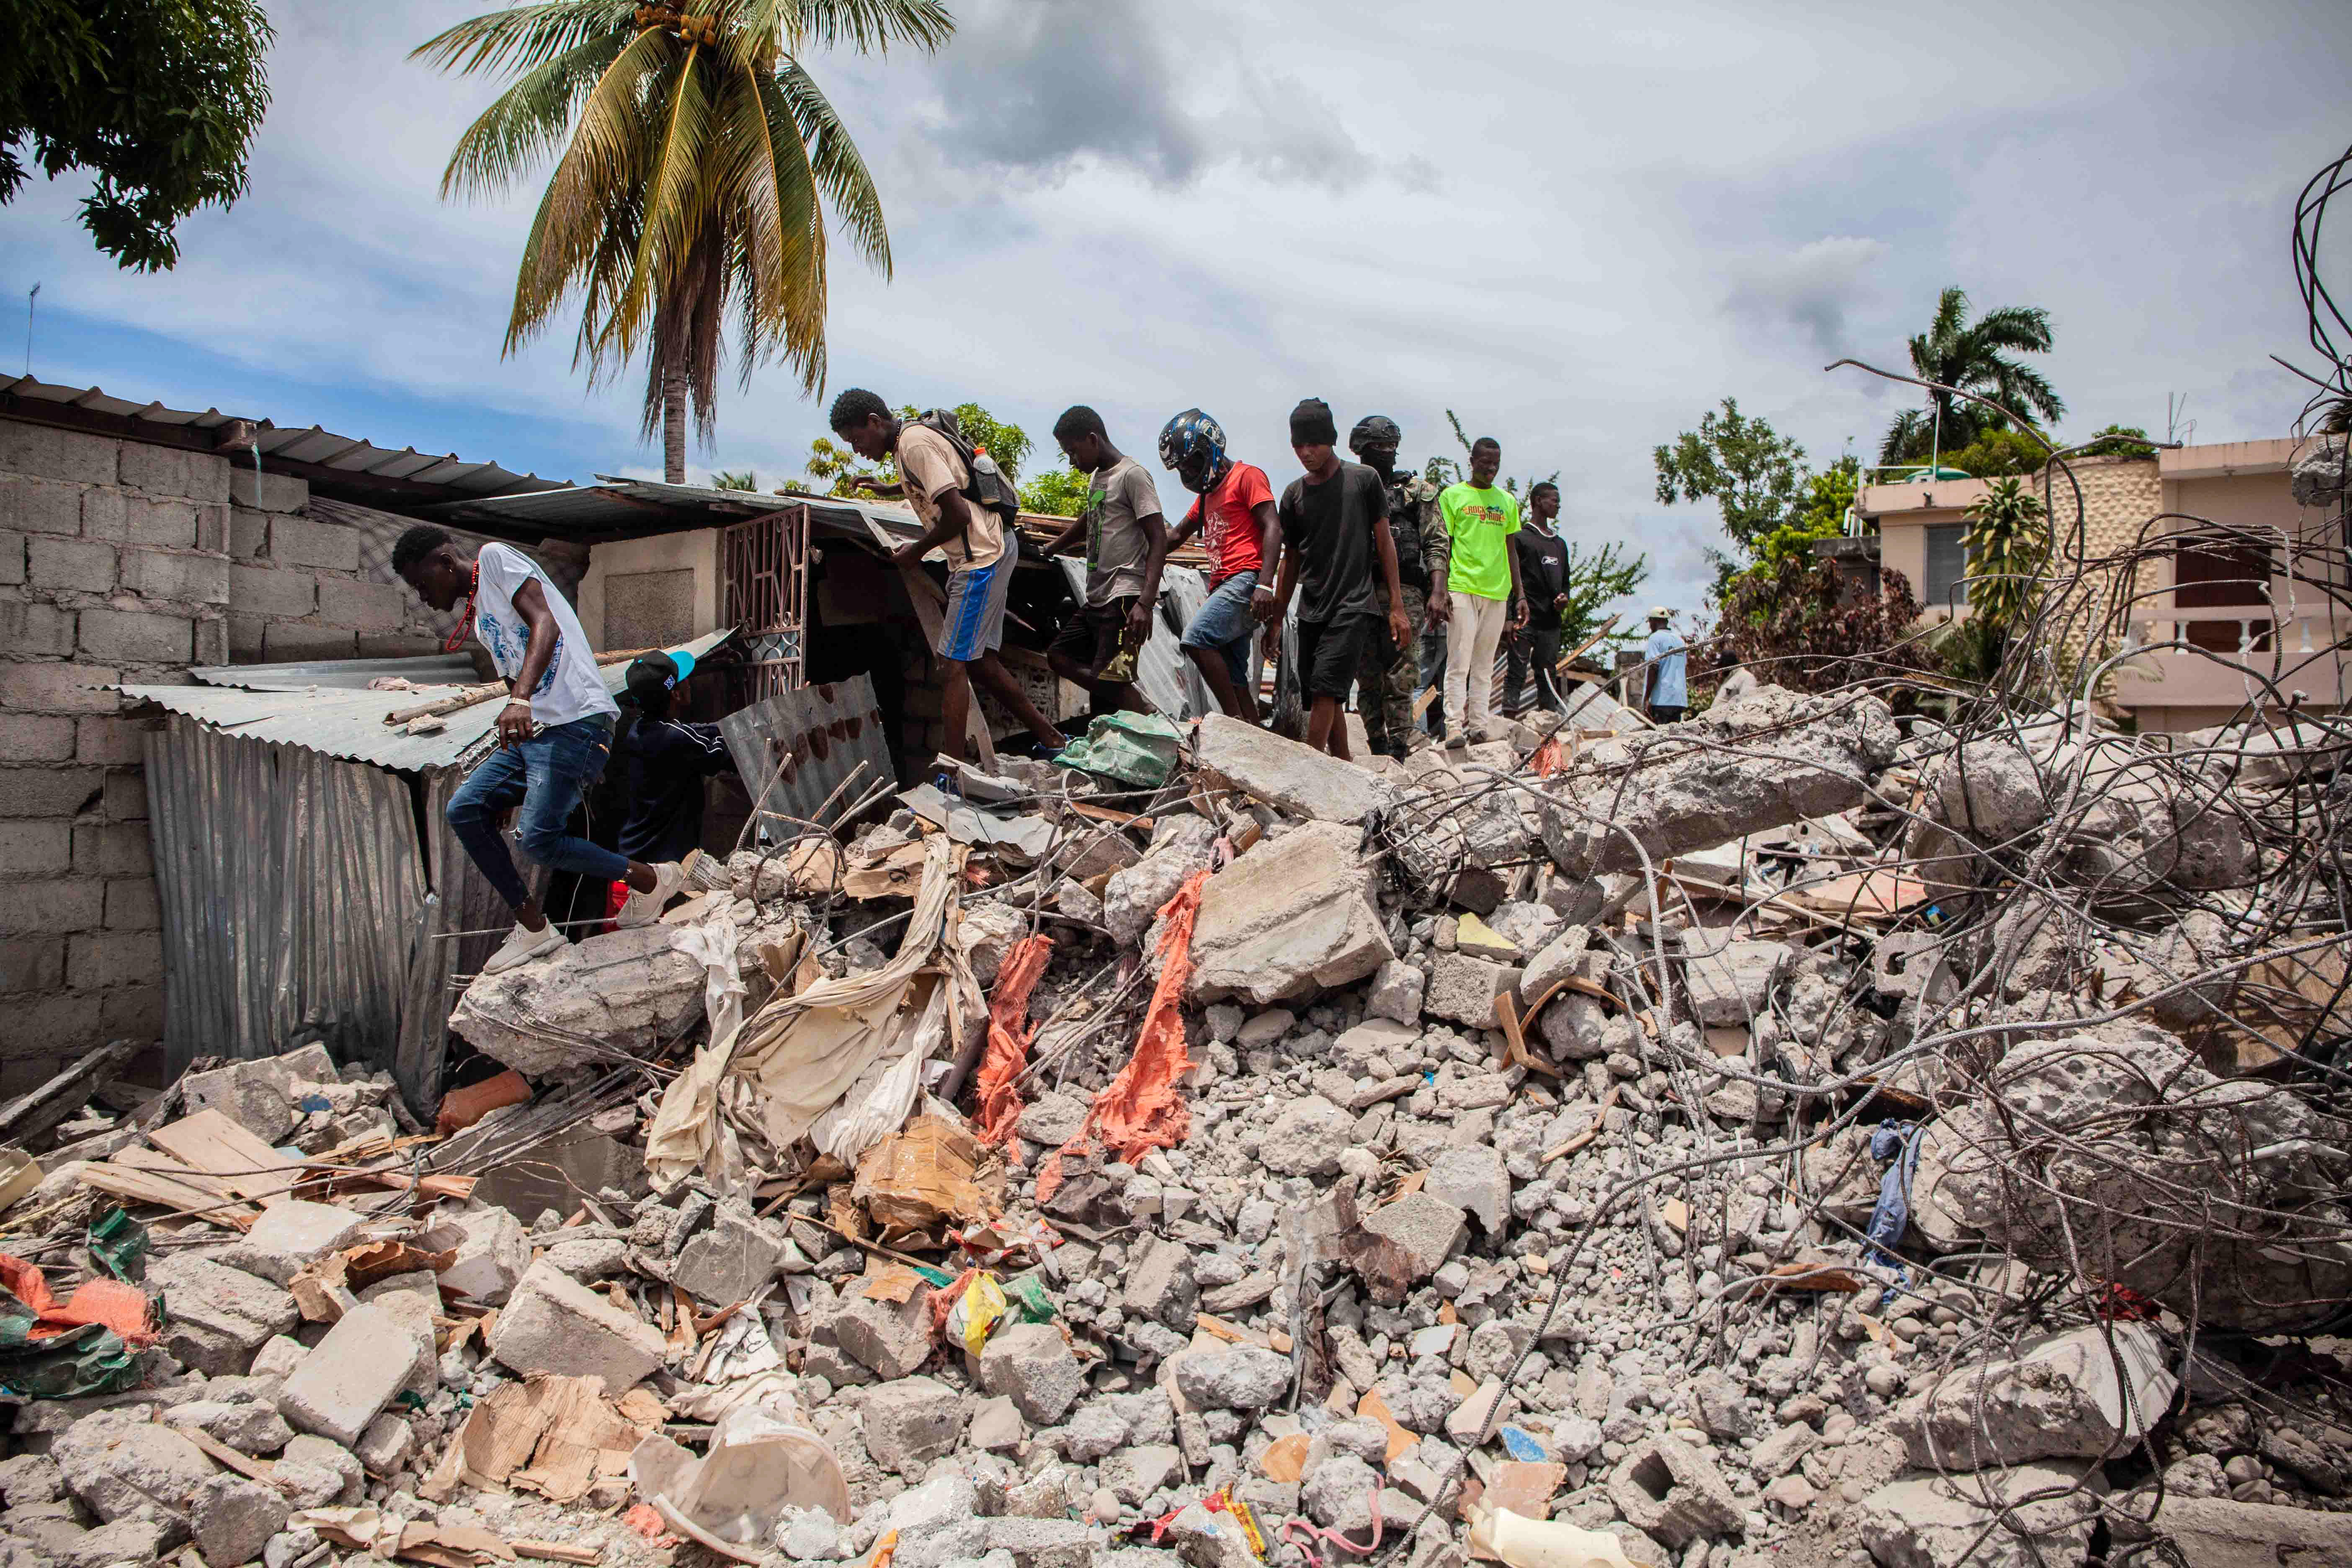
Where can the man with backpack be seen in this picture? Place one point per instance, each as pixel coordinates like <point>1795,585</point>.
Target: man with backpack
<point>967,506</point>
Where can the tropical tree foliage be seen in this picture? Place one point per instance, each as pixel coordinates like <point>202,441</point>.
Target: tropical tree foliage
<point>1595,582</point>
<point>2007,536</point>
<point>1056,492</point>
<point>1797,624</point>
<point>157,100</point>
<point>1756,477</point>
<point>695,161</point>
<point>1976,356</point>
<point>735,479</point>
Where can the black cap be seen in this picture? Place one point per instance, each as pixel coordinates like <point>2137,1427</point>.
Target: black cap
<point>652,672</point>
<point>1311,423</point>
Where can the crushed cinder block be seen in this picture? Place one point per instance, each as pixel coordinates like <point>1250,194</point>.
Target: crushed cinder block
<point>1462,989</point>
<point>122,1467</point>
<point>1296,779</point>
<point>1670,1490</point>
<point>1294,914</point>
<point>367,1357</point>
<point>290,1237</point>
<point>891,1338</point>
<point>493,1252</point>
<point>554,1324</point>
<point>731,1258</point>
<point>912,1421</point>
<point>1032,1365</point>
<point>1732,982</point>
<point>2059,1397</point>
<point>233,1518</point>
<point>220,1317</point>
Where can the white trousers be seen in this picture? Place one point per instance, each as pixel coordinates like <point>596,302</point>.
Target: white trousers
<point>1472,636</point>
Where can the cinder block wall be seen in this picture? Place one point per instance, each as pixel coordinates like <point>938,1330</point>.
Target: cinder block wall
<point>121,561</point>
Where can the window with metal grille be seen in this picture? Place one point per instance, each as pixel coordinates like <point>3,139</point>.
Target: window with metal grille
<point>1947,565</point>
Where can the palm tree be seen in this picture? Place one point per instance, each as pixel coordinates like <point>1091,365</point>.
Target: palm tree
<point>697,159</point>
<point>1972,356</point>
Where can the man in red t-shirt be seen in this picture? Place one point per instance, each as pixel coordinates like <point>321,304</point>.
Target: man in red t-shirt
<point>1236,517</point>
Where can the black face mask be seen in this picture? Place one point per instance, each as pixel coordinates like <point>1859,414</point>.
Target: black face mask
<point>1382,460</point>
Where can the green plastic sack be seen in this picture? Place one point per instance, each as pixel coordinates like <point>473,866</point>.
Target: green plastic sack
<point>1026,1298</point>
<point>119,1245</point>
<point>1138,749</point>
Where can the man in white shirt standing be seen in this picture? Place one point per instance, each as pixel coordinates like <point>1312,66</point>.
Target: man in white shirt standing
<point>554,733</point>
<point>1668,696</point>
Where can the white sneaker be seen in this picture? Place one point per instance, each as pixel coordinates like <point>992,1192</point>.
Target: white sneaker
<point>644,908</point>
<point>523,944</point>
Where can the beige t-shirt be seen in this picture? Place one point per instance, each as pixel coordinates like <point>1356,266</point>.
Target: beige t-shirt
<point>930,469</point>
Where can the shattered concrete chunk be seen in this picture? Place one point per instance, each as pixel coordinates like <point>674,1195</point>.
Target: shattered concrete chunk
<point>342,1384</point>
<point>1296,778</point>
<point>121,1467</point>
<point>1933,1521</point>
<point>1731,981</point>
<point>1032,1365</point>
<point>258,1095</point>
<point>1244,1377</point>
<point>731,1258</point>
<point>1473,1180</point>
<point>1292,914</point>
<point>290,1237</point>
<point>1670,1490</point>
<point>892,1338</point>
<point>1463,989</point>
<point>220,1317</point>
<point>2061,1398</point>
<point>1132,897</point>
<point>1308,1138</point>
<point>553,1323</point>
<point>493,1251</point>
<point>911,1421</point>
<point>628,991</point>
<point>234,1518</point>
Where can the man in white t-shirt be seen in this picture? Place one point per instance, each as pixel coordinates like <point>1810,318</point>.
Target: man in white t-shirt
<point>554,733</point>
<point>981,553</point>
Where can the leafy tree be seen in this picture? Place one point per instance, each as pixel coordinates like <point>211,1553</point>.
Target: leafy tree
<point>735,479</point>
<point>837,468</point>
<point>1821,512</point>
<point>1056,492</point>
<point>2119,441</point>
<point>1755,476</point>
<point>698,160</point>
<point>158,99</point>
<point>1975,356</point>
<point>1592,581</point>
<point>1796,626</point>
<point>1994,453</point>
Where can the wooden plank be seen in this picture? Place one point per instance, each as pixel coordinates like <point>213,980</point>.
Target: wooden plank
<point>155,1187</point>
<point>177,1170</point>
<point>213,1142</point>
<point>30,1114</point>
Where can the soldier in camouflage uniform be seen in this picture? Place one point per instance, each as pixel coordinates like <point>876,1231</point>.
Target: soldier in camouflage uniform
<point>1390,676</point>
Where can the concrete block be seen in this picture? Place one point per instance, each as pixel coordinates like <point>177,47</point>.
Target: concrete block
<point>42,909</point>
<point>553,1323</point>
<point>132,904</point>
<point>245,638</point>
<point>31,630</point>
<point>242,1424</point>
<point>59,688</point>
<point>194,579</point>
<point>220,1317</point>
<point>1300,780</point>
<point>37,737</point>
<point>347,1380</point>
<point>1160,1284</point>
<point>271,591</point>
<point>911,1422</point>
<point>267,491</point>
<point>1462,989</point>
<point>136,637</point>
<point>14,564</point>
<point>212,528</point>
<point>121,1467</point>
<point>1472,1179</point>
<point>730,1259</point>
<point>110,742</point>
<point>37,506</point>
<point>132,1012</point>
<point>233,1519</point>
<point>290,641</point>
<point>1421,1233</point>
<point>52,454</point>
<point>1731,982</point>
<point>249,533</point>
<point>1032,1365</point>
<point>166,524</point>
<point>893,1338</point>
<point>107,849</point>
<point>2059,1398</point>
<point>95,960</point>
<point>103,513</point>
<point>1292,915</point>
<point>493,1252</point>
<point>1244,1377</point>
<point>32,963</point>
<point>61,563</point>
<point>1671,1491</point>
<point>278,1357</point>
<point>387,1445</point>
<point>290,1235</point>
<point>362,605</point>
<point>1922,1521</point>
<point>126,795</point>
<point>304,541</point>
<point>255,1094</point>
<point>174,471</point>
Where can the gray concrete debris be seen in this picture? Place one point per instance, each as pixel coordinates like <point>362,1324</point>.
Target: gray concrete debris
<point>627,990</point>
<point>290,1237</point>
<point>1132,897</point>
<point>1308,1138</point>
<point>2062,1396</point>
<point>1241,1378</point>
<point>1670,1490</point>
<point>233,1518</point>
<point>258,1095</point>
<point>1731,982</point>
<point>368,1357</point>
<point>892,1338</point>
<point>121,1467</point>
<point>1472,1178</point>
<point>1032,1365</point>
<point>1292,915</point>
<point>1934,1521</point>
<point>493,1252</point>
<point>911,1421</point>
<point>1463,989</point>
<point>221,1316</point>
<point>553,1323</point>
<point>1296,778</point>
<point>731,1258</point>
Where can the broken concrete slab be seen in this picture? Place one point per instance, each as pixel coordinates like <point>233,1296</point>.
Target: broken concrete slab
<point>1768,759</point>
<point>1244,1377</point>
<point>290,1237</point>
<point>1669,1489</point>
<point>628,991</point>
<point>1924,1520</point>
<point>1472,1178</point>
<point>258,1095</point>
<point>1296,778</point>
<point>2216,1532</point>
<point>1463,989</point>
<point>891,1338</point>
<point>122,1467</point>
<point>731,1258</point>
<point>911,1422</point>
<point>1032,1365</point>
<point>1183,846</point>
<point>493,1251</point>
<point>219,1317</point>
<point>1294,914</point>
<point>1731,981</point>
<point>1416,1235</point>
<point>2062,1396</point>
<point>366,1359</point>
<point>1308,1138</point>
<point>233,1518</point>
<point>554,1324</point>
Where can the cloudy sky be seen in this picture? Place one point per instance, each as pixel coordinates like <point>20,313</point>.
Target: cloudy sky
<point>1577,225</point>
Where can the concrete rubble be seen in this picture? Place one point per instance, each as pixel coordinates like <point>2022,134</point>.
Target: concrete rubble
<point>1812,1132</point>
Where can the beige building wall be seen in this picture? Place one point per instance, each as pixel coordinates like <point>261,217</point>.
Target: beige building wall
<point>640,593</point>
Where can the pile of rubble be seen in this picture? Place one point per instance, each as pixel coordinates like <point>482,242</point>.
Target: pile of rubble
<point>1797,1134</point>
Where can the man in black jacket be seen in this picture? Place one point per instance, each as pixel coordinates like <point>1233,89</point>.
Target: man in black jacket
<point>1543,576</point>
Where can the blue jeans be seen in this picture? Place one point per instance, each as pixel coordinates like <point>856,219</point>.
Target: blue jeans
<point>545,776</point>
<point>1224,622</point>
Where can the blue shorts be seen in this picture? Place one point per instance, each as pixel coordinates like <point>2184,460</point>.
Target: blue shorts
<point>973,622</point>
<point>1224,623</point>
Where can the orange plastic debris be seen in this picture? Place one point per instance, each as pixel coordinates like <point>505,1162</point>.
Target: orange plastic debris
<point>461,1108</point>
<point>1550,758</point>
<point>120,1307</point>
<point>1142,1107</point>
<point>647,1522</point>
<point>1009,1035</point>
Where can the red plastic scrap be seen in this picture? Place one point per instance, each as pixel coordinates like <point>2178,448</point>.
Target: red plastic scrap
<point>1143,1107</point>
<point>109,1302</point>
<point>1009,1035</point>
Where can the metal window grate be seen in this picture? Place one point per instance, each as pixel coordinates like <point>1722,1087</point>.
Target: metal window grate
<point>764,581</point>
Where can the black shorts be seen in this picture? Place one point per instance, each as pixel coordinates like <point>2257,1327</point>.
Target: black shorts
<point>1096,640</point>
<point>1328,653</point>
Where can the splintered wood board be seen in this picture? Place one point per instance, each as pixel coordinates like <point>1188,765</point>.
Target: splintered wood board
<point>214,1143</point>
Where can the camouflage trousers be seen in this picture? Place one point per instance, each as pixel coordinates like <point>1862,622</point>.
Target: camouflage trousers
<point>1388,676</point>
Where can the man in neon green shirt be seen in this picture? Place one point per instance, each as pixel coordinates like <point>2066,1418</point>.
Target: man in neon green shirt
<point>1479,586</point>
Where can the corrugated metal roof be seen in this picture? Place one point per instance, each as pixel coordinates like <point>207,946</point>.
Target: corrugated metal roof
<point>338,721</point>
<point>616,507</point>
<point>344,453</point>
<point>349,674</point>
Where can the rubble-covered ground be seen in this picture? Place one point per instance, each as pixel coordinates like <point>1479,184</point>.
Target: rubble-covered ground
<point>1795,1135</point>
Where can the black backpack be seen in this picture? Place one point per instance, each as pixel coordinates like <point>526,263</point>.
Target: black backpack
<point>986,484</point>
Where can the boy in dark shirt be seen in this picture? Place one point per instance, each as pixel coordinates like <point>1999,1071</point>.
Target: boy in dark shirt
<point>1543,579</point>
<point>659,763</point>
<point>1334,521</point>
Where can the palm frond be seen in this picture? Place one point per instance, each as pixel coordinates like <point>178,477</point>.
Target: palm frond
<point>528,121</point>
<point>2013,328</point>
<point>866,25</point>
<point>523,37</point>
<point>840,170</point>
<point>1951,314</point>
<point>675,205</point>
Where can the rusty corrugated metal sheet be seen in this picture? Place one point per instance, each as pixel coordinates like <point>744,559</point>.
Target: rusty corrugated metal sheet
<point>828,728</point>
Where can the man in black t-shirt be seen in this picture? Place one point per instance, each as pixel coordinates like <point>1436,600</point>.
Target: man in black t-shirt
<point>1543,578</point>
<point>1335,528</point>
